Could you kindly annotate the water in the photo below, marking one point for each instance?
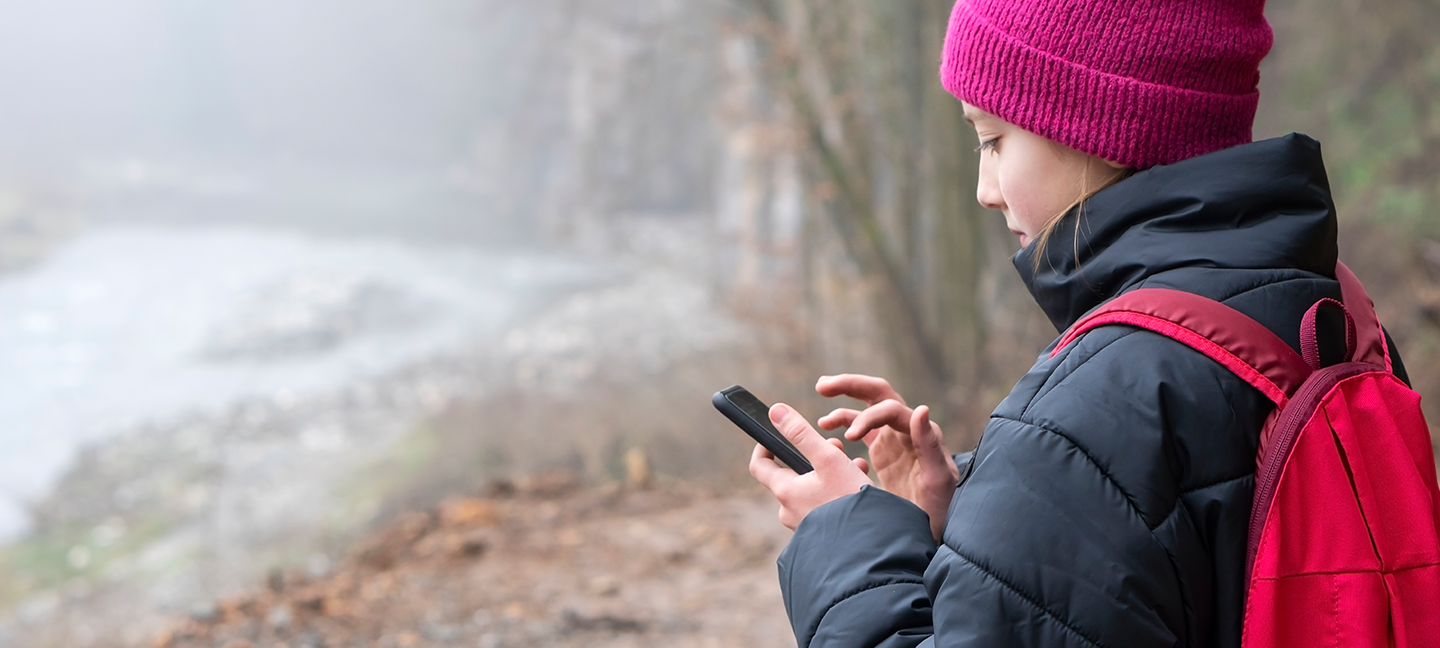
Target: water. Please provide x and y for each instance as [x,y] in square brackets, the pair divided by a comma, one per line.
[130,324]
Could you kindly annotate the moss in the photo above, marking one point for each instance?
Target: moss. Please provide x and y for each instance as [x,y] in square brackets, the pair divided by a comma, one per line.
[371,485]
[46,560]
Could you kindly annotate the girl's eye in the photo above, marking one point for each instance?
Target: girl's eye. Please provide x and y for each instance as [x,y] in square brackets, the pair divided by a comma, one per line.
[987,145]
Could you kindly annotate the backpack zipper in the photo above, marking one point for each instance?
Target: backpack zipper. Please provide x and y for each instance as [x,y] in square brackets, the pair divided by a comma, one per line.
[1287,428]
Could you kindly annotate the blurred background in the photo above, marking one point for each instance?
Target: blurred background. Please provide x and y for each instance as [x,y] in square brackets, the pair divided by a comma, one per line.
[385,323]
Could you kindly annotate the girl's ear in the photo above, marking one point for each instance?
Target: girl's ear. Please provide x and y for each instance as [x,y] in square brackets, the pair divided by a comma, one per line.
[1114,165]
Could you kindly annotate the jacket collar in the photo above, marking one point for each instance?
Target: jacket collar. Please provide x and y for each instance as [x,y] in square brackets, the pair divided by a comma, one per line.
[1261,205]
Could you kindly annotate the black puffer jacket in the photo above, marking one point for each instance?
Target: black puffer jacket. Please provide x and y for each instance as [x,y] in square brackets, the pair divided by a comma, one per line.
[1107,503]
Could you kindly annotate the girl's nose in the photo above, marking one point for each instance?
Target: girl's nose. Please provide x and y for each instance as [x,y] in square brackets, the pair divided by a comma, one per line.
[987,191]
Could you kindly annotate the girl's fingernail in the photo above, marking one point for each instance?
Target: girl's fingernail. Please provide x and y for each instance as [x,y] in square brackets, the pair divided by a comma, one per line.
[779,412]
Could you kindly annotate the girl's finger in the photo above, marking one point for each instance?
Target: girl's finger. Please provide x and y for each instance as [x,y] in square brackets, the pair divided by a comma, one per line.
[930,446]
[859,462]
[809,442]
[886,413]
[869,389]
[764,469]
[838,418]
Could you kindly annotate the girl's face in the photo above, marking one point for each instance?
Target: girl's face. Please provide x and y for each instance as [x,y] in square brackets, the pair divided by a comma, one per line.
[1030,179]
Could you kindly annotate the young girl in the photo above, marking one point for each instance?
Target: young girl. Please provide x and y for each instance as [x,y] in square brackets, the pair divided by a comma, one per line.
[1108,501]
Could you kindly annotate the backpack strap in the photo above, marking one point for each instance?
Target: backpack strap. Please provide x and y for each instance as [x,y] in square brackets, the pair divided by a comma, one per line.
[1222,333]
[1310,333]
[1370,337]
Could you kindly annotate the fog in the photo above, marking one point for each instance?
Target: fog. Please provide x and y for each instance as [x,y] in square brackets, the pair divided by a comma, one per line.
[275,274]
[284,104]
[354,82]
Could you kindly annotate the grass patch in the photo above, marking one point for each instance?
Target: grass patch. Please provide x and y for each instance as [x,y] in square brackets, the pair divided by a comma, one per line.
[48,559]
[374,483]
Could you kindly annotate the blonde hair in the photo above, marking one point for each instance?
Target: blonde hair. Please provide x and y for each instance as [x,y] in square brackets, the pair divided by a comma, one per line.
[1042,239]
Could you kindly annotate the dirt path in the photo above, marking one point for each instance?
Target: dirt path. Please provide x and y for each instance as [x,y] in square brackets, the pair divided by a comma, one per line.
[545,564]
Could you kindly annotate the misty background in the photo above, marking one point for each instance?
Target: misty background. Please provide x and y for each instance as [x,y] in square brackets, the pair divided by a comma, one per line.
[274,272]
[295,109]
[175,157]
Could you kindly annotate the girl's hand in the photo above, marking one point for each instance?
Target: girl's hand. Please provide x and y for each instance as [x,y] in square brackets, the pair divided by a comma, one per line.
[835,474]
[906,449]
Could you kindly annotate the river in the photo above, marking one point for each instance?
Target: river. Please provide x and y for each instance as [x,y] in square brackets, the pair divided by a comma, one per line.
[129,325]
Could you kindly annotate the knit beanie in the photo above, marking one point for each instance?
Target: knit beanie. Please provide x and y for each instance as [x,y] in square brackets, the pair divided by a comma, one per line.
[1138,82]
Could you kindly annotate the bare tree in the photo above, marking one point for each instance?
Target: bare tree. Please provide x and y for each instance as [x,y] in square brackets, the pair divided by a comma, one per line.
[887,161]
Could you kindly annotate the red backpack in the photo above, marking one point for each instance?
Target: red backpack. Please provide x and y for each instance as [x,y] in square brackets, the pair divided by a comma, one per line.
[1345,529]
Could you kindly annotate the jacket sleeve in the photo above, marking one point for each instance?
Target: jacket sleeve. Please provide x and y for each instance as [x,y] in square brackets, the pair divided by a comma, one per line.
[853,574]
[1070,530]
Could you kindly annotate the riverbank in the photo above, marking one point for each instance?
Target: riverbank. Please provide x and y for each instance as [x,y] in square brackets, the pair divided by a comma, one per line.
[175,516]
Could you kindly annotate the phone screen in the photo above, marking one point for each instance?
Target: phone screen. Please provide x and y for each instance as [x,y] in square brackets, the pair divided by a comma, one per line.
[753,407]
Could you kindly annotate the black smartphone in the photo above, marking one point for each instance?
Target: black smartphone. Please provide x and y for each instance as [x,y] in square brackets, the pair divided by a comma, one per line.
[753,416]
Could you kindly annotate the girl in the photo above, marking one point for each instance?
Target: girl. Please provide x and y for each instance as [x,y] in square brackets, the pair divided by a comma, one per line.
[1107,504]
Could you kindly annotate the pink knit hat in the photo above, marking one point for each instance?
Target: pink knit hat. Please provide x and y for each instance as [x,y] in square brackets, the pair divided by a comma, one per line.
[1138,82]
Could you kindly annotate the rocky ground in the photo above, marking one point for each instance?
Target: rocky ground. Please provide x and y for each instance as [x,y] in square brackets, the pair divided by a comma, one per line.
[541,564]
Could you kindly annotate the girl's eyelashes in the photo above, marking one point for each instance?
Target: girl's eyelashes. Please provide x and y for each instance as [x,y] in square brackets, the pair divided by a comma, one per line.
[987,145]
